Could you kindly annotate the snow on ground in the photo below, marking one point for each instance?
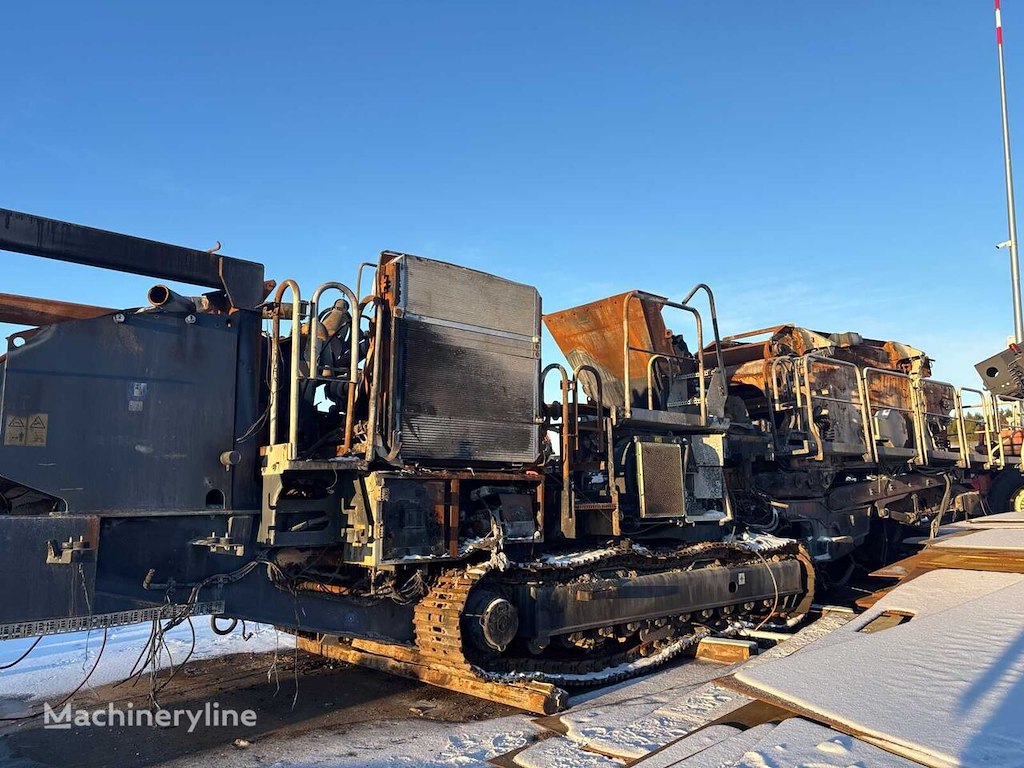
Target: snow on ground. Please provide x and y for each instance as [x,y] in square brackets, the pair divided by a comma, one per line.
[693,744]
[643,716]
[799,742]
[560,753]
[725,752]
[381,744]
[666,724]
[604,710]
[60,662]
[946,687]
[1005,537]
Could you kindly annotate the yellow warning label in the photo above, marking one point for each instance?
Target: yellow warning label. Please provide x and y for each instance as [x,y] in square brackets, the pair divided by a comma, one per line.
[14,430]
[35,430]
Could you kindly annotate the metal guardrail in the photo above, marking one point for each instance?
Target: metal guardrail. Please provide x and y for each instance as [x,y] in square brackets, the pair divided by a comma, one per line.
[788,381]
[307,313]
[627,348]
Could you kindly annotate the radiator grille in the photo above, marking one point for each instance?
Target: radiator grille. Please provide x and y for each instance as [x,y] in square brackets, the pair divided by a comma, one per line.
[468,364]
[659,469]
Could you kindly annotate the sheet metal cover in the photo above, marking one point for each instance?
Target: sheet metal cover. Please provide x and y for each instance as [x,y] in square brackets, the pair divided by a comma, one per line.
[471,359]
[592,334]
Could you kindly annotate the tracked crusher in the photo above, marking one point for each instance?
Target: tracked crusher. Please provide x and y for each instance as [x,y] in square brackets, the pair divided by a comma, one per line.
[396,479]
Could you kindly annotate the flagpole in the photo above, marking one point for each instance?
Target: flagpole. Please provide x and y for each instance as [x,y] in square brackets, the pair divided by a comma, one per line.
[1018,320]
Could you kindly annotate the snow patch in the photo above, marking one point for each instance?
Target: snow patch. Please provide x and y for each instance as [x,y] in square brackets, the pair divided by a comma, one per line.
[947,688]
[799,742]
[60,662]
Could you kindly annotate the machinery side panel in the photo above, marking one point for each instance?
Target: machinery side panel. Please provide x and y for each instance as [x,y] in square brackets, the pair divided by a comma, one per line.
[38,589]
[130,415]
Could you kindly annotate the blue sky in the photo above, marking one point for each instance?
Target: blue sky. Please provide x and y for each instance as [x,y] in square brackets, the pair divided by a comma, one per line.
[837,165]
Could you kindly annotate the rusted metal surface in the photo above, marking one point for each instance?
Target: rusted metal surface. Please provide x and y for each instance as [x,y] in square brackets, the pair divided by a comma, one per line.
[849,347]
[540,698]
[29,310]
[592,335]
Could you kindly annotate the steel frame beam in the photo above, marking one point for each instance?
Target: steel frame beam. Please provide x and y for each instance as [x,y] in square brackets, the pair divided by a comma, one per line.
[52,239]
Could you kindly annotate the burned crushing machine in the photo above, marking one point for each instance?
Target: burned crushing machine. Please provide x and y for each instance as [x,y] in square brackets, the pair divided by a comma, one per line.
[380,474]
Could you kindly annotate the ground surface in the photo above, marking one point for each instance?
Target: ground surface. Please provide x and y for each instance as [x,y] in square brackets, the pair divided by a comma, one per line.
[332,700]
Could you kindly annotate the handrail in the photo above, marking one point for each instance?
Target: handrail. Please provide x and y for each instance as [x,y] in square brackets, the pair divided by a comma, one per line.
[374,394]
[866,373]
[862,395]
[359,274]
[566,449]
[1014,404]
[776,363]
[605,442]
[275,374]
[919,392]
[965,451]
[714,328]
[314,314]
[353,366]
[650,378]
[627,348]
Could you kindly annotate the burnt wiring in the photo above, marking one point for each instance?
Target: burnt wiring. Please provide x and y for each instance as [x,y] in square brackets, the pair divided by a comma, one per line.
[775,584]
[66,699]
[23,656]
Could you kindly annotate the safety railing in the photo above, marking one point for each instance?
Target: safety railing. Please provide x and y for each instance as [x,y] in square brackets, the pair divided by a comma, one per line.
[897,397]
[316,371]
[787,397]
[1008,429]
[628,348]
[923,416]
[819,387]
[969,439]
[935,407]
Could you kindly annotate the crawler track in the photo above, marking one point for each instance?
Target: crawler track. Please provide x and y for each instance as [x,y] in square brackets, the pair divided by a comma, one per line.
[443,656]
[440,616]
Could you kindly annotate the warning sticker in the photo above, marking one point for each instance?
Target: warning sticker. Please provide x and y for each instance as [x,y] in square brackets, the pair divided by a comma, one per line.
[14,430]
[35,430]
[137,396]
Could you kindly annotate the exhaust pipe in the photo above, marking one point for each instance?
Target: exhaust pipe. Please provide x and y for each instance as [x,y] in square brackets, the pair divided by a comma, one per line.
[162,297]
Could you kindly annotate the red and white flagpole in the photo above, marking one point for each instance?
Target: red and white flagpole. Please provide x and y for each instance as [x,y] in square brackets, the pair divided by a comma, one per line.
[1018,320]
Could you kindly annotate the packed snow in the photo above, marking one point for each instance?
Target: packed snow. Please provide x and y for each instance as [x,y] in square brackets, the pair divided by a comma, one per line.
[1004,537]
[382,744]
[724,752]
[60,662]
[799,742]
[946,688]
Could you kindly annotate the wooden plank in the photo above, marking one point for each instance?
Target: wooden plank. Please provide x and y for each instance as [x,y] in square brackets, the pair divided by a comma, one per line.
[725,650]
[539,698]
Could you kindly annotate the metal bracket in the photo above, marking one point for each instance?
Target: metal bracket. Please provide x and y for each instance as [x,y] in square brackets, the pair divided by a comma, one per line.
[70,551]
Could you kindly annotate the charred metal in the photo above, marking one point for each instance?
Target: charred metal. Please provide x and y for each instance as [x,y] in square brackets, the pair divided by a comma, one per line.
[400,469]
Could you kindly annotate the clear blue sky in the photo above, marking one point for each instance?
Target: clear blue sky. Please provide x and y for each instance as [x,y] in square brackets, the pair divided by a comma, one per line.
[837,165]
